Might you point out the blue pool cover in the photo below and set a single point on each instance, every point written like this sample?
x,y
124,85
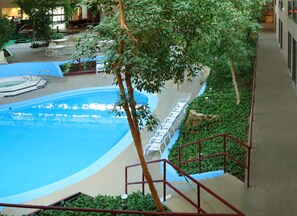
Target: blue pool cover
x,y
35,68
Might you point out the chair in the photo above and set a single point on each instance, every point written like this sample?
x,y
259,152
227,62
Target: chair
x,y
168,126
170,121
50,50
100,68
174,114
163,132
182,103
155,144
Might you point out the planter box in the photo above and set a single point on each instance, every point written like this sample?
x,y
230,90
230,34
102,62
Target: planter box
x,y
84,68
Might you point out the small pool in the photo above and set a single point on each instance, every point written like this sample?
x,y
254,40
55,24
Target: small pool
x,y
54,141
13,86
12,81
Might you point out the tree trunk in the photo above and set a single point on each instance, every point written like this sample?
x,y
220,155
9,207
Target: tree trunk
x,y
130,109
234,80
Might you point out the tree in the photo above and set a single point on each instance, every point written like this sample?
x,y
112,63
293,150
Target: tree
x,y
152,43
40,14
231,38
6,30
159,40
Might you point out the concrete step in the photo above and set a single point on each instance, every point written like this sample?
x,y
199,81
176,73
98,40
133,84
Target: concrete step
x,y
226,186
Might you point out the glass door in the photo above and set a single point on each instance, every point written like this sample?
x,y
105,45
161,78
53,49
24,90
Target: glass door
x,y
290,52
294,66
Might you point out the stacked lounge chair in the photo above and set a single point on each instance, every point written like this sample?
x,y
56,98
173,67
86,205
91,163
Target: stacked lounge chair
x,y
159,141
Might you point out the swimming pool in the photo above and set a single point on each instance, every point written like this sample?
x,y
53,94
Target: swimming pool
x,y
54,141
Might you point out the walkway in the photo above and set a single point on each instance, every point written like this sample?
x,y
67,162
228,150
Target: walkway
x,y
274,156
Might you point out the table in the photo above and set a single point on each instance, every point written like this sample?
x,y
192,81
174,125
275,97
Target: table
x,y
60,41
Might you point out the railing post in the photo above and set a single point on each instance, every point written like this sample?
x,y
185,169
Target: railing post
x,y
143,183
249,167
225,147
198,198
199,154
126,180
179,157
164,180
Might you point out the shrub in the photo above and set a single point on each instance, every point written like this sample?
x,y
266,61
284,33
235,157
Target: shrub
x,y
56,35
135,201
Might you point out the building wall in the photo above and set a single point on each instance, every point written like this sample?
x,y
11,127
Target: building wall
x,y
6,4
289,26
6,8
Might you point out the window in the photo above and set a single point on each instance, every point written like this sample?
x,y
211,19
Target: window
x,y
290,52
280,33
295,10
294,66
290,7
58,15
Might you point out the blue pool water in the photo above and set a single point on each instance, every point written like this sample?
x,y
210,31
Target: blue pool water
x,y
59,140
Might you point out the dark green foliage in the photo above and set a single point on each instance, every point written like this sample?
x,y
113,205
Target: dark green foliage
x,y
218,100
135,201
72,68
40,15
56,35
6,30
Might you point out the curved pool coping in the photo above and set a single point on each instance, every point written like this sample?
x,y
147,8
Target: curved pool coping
x,y
83,174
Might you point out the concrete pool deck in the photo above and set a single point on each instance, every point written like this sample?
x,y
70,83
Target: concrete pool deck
x,y
110,179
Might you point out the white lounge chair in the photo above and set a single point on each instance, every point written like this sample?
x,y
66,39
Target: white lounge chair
x,y
163,132
53,49
182,103
166,128
155,144
169,122
174,114
100,69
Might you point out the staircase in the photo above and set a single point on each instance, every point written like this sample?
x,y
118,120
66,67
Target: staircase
x,y
226,186
189,196
217,194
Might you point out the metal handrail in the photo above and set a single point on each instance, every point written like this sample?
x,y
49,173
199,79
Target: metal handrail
x,y
252,107
166,183
22,27
114,212
225,154
251,127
